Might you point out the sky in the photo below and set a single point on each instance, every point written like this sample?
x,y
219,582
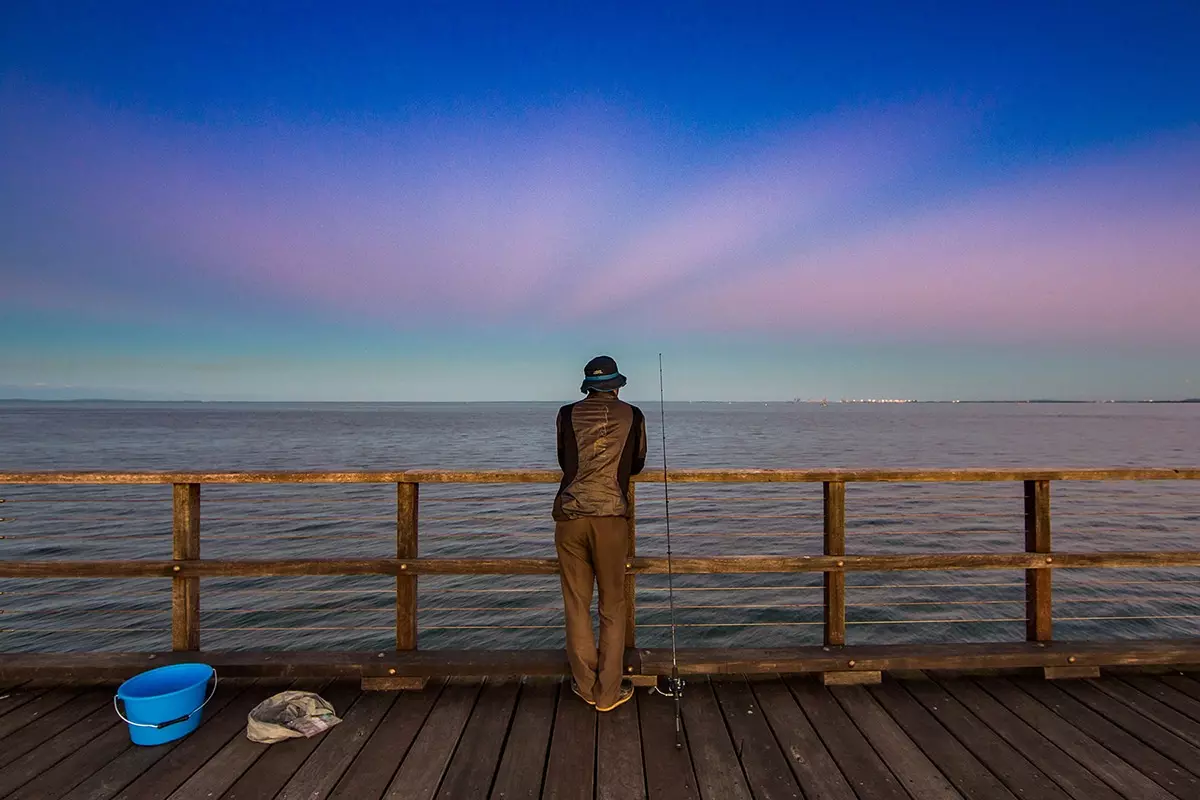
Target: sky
x,y
453,201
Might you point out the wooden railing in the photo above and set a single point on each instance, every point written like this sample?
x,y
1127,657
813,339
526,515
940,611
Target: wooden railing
x,y
1038,559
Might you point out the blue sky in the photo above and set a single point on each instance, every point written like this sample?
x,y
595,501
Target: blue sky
x,y
392,202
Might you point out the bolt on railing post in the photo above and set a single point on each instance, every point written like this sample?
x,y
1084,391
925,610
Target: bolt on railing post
x,y
1039,612
185,546
407,515
834,495
630,578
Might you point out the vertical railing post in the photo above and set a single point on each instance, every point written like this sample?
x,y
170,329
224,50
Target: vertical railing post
x,y
1039,619
407,512
185,546
835,545
630,578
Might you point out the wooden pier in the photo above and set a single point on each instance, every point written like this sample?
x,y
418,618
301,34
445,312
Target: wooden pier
x,y
765,737
837,719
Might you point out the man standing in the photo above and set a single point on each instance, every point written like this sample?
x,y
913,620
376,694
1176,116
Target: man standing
x,y
601,442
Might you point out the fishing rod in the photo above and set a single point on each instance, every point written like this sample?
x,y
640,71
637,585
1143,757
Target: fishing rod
x,y
675,689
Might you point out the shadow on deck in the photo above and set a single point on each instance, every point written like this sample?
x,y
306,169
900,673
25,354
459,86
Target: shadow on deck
x,y
1131,736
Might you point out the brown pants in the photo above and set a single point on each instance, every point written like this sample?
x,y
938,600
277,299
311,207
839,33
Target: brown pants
x,y
593,549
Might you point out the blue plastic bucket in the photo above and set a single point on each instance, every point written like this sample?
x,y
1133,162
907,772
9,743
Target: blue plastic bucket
x,y
164,704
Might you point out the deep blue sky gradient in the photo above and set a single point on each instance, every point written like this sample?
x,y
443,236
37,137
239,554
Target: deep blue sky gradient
x,y
999,92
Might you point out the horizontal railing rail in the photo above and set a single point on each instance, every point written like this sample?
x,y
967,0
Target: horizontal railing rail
x,y
691,565
649,476
1037,558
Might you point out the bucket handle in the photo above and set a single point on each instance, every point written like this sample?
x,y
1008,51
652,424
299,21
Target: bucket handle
x,y
177,720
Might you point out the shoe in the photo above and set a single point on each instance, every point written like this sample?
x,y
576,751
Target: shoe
x,y
625,696
579,693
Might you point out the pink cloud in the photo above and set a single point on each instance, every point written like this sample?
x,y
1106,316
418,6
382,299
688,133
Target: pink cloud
x,y
559,220
749,201
1109,248
424,229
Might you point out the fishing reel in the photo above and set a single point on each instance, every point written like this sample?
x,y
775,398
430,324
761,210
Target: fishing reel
x,y
668,687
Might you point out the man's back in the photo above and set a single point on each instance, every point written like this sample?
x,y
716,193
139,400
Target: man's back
x,y
601,442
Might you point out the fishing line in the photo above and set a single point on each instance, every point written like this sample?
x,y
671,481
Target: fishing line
x,y
675,690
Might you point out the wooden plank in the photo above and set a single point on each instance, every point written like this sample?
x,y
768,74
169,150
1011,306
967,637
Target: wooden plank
x,y
393,684
1030,739
571,770
423,767
1146,759
867,563
810,762
1039,608
523,761
112,775
148,568
1162,690
705,565
1183,683
912,767
372,769
146,478
857,678
25,759
407,519
185,546
427,663
246,568
221,771
1069,673
767,771
1151,708
50,724
474,763
718,769
294,664
71,667
972,656
880,563
669,772
865,771
820,476
834,505
483,476
1169,742
619,772
650,476
270,773
80,761
963,770
446,663
1043,737
34,710
18,696
1006,763
1158,671
630,577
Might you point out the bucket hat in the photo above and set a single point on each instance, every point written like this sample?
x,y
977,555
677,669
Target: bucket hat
x,y
601,375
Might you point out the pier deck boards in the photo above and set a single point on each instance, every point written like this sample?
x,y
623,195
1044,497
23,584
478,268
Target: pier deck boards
x,y
1122,736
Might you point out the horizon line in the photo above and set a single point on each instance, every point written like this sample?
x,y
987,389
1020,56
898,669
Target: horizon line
x,y
840,401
